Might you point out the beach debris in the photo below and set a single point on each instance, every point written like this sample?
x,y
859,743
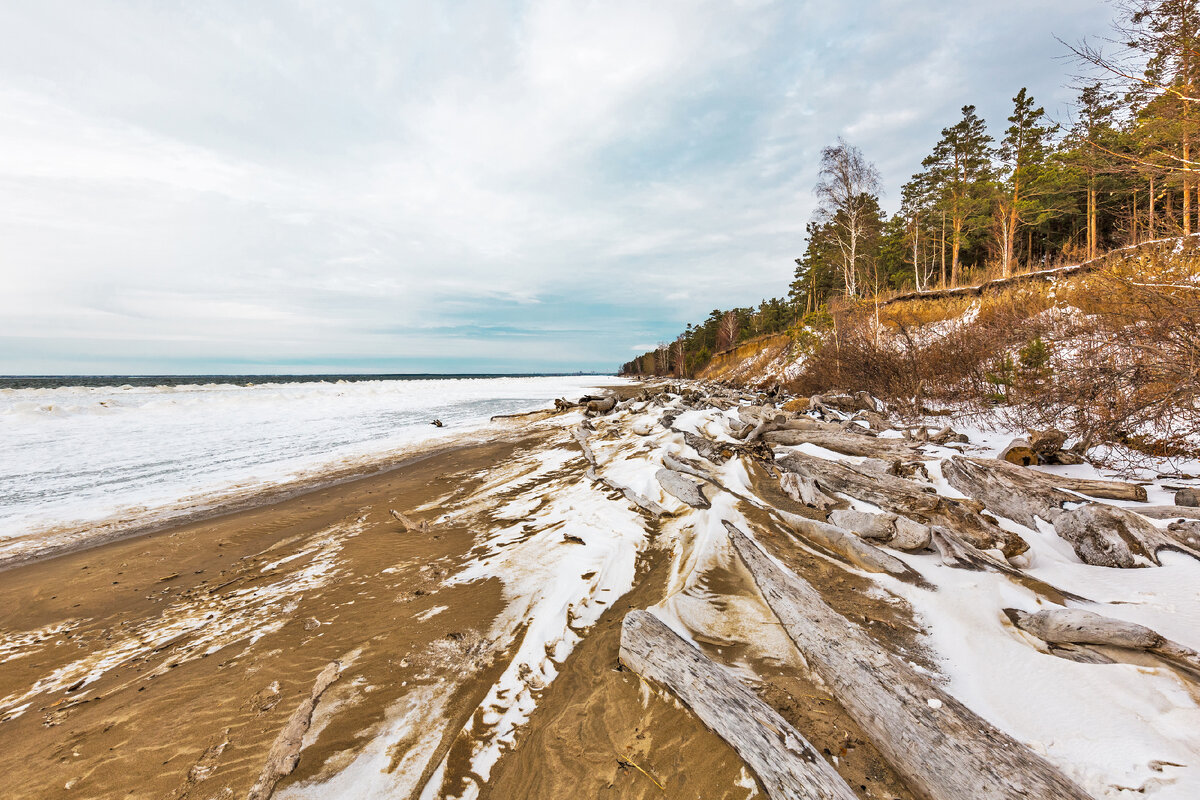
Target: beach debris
x,y
1188,497
681,488
284,754
1108,536
1080,626
943,749
437,423
1020,452
786,764
906,498
409,525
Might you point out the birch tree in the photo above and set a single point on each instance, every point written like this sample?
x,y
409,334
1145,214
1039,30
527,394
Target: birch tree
x,y
847,190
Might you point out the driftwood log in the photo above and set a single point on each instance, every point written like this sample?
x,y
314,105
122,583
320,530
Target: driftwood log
x,y
939,746
787,766
681,488
916,501
1079,626
844,543
1022,494
804,489
1168,512
891,529
1108,536
285,752
1020,452
602,405
850,444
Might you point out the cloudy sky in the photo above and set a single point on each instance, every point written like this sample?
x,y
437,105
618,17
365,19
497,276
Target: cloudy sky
x,y
451,186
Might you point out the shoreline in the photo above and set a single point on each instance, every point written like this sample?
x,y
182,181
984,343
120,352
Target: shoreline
x,y
71,538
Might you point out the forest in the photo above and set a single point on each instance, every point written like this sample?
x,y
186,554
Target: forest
x,y
997,200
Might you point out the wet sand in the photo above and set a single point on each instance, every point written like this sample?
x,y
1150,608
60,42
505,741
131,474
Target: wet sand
x,y
164,666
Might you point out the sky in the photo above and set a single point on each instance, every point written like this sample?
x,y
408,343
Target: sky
x,y
230,187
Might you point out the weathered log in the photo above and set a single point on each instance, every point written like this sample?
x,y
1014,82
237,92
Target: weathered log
x,y
1046,443
787,766
906,498
603,405
891,529
285,752
706,448
1079,626
1188,497
844,543
1021,494
939,746
1019,452
682,489
803,489
644,503
581,436
955,552
844,443
1186,532
1108,536
1168,512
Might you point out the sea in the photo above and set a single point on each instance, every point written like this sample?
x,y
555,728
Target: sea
x,y
88,450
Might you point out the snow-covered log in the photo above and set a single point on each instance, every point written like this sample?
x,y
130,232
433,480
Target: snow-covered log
x,y
844,543
787,766
681,488
919,502
939,746
1108,536
1079,626
846,443
1020,452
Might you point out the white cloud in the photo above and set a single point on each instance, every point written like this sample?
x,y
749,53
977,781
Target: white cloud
x,y
323,182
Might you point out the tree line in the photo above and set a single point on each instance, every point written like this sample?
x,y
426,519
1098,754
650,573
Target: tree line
x,y
1122,170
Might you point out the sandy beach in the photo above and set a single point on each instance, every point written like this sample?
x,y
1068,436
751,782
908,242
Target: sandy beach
x,y
460,617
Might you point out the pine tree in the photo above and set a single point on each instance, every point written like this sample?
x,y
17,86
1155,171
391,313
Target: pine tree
x,y
1023,153
960,170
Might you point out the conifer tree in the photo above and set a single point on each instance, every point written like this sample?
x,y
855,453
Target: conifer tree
x,y
960,171
1023,154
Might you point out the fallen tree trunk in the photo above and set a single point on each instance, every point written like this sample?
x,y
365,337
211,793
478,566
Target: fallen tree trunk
x,y
285,752
1019,452
787,766
1168,512
844,543
1079,626
1107,536
682,489
1021,494
942,749
850,444
906,498
891,529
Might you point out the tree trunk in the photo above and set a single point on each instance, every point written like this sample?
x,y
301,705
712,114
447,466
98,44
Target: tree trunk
x,y
939,746
783,760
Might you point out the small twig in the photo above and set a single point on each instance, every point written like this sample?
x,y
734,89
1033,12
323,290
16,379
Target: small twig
x,y
629,761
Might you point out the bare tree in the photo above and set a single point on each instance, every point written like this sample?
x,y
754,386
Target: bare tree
x,y
727,332
679,351
847,185
662,359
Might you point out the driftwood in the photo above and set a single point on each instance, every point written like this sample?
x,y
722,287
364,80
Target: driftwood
x,y
1021,494
787,766
1108,536
1019,452
285,752
804,489
906,498
707,448
603,405
409,525
846,443
1188,497
891,529
682,489
939,746
1079,626
1168,512
955,552
845,544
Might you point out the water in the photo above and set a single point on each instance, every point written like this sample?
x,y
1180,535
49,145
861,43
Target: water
x,y
76,454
